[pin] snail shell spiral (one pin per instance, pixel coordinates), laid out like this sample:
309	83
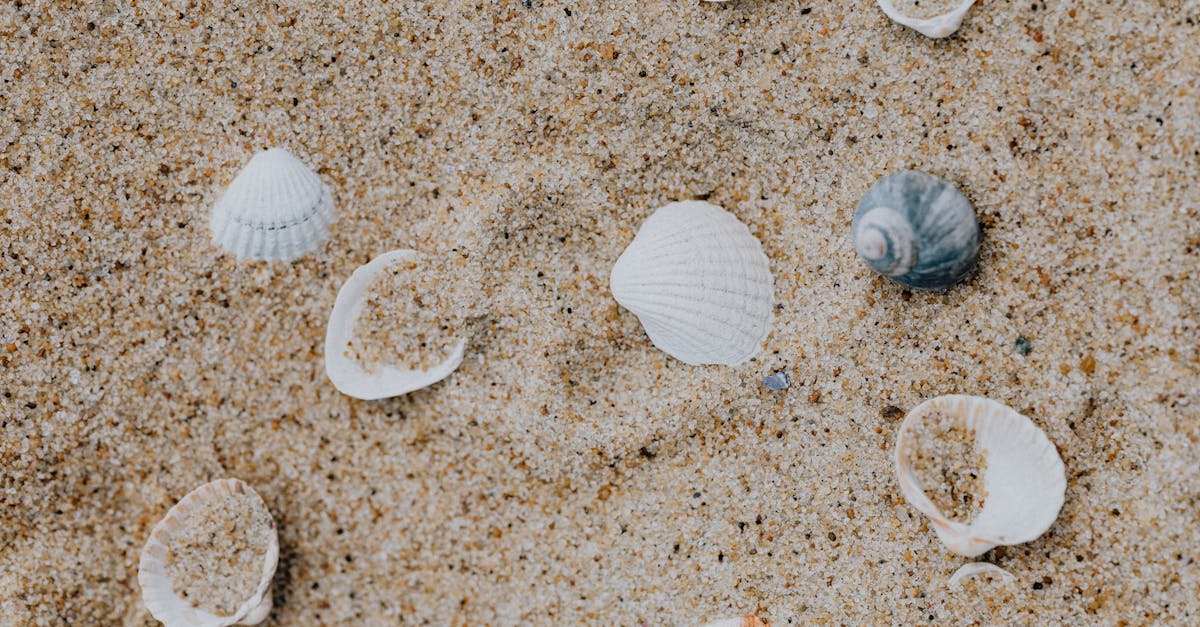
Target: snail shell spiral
917	229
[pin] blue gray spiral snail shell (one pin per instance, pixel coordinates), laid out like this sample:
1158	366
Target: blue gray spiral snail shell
917	229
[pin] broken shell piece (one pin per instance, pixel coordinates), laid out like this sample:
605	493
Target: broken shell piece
351	377
917	229
698	281
778	381
746	621
210	561
1023	476
936	27
971	570
276	209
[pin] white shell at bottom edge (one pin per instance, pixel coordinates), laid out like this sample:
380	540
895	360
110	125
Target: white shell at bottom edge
347	375
936	27
971	570
745	621
1024	476
157	593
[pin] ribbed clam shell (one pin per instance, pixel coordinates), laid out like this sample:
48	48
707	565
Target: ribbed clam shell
347	375
276	209
157	592
917	229
698	281
1024	476
936	27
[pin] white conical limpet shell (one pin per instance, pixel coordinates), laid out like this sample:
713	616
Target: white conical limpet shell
698	281
1024	476
157	592
276	209
971	570
347	375
936	27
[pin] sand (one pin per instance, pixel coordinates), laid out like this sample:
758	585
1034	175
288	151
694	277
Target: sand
568	472
948	466
410	316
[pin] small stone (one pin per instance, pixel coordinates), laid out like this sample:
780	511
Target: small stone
1023	346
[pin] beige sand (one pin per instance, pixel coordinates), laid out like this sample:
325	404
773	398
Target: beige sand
568	472
411	317
948	466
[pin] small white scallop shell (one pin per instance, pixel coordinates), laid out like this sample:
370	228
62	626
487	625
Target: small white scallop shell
971	570
347	375
936	27
698	281
1024	476
276	209
157	592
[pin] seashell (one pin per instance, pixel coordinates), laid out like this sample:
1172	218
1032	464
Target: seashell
936	27
699	283
971	570
159	591
745	621
778	381
917	229
1023	476
349	376
276	209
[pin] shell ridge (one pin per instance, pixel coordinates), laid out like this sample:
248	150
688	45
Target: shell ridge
350	377
663	309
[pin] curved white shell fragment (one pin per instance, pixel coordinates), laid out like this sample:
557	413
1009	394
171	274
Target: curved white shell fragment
276	209
1024	476
157	592
698	281
971	570
347	375
745	621
936	27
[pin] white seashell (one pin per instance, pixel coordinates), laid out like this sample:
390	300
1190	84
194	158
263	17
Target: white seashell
971	570
745	621
936	27
276	209
347	375
1024	476
157	591
699	283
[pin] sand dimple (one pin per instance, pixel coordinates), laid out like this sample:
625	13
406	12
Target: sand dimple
925	9
411	317
215	562
947	465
